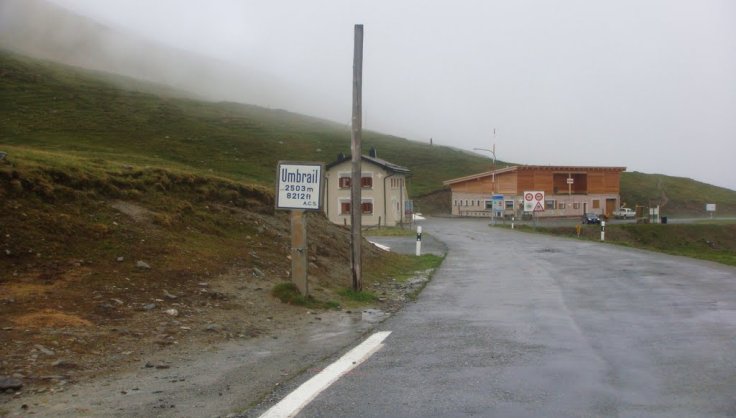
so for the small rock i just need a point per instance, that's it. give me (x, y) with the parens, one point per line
(64, 364)
(169, 295)
(119, 259)
(172, 312)
(257, 272)
(203, 284)
(213, 327)
(152, 306)
(10, 383)
(142, 265)
(45, 350)
(118, 301)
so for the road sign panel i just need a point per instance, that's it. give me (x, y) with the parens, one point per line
(533, 200)
(299, 185)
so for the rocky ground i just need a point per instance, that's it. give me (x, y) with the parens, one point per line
(51, 346)
(66, 363)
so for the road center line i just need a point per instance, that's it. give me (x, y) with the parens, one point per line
(304, 394)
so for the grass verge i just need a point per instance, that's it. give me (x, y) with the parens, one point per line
(288, 293)
(713, 242)
(389, 232)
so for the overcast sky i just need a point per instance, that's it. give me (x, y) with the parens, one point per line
(650, 85)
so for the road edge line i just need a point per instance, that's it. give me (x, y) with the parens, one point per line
(293, 403)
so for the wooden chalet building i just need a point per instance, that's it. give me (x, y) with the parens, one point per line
(569, 190)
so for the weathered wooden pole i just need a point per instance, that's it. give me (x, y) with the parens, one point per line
(355, 196)
(299, 250)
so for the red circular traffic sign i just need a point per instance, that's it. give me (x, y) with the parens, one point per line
(539, 196)
(528, 197)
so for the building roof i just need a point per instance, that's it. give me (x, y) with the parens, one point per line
(375, 160)
(563, 168)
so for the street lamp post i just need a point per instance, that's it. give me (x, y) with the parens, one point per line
(493, 177)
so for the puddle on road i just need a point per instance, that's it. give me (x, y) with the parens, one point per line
(373, 316)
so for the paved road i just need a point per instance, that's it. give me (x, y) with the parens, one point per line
(523, 325)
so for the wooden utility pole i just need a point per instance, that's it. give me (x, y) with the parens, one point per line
(299, 250)
(355, 197)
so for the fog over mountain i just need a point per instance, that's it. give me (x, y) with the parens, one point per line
(44, 30)
(646, 85)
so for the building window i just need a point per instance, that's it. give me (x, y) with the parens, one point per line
(455, 202)
(549, 204)
(596, 204)
(366, 182)
(344, 182)
(466, 202)
(509, 204)
(367, 207)
(576, 205)
(560, 206)
(344, 207)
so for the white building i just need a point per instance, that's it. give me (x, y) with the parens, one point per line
(383, 191)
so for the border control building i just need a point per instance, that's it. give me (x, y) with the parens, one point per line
(569, 190)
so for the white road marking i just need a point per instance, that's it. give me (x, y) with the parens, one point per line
(304, 394)
(381, 246)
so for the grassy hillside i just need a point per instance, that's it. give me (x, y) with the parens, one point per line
(130, 222)
(675, 195)
(60, 109)
(85, 114)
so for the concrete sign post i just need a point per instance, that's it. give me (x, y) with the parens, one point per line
(299, 188)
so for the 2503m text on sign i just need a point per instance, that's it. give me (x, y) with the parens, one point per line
(299, 185)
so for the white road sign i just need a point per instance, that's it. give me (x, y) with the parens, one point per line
(534, 201)
(710, 207)
(299, 185)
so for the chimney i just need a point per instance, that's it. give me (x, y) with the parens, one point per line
(373, 152)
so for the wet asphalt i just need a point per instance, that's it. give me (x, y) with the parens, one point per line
(408, 245)
(524, 325)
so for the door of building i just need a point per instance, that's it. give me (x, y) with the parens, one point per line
(610, 206)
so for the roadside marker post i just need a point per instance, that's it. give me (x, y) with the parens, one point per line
(419, 241)
(603, 230)
(299, 188)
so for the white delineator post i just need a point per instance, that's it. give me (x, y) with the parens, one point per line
(603, 230)
(419, 241)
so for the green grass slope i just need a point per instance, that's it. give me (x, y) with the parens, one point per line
(675, 195)
(86, 116)
(59, 109)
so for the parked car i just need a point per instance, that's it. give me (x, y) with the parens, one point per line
(591, 218)
(624, 213)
